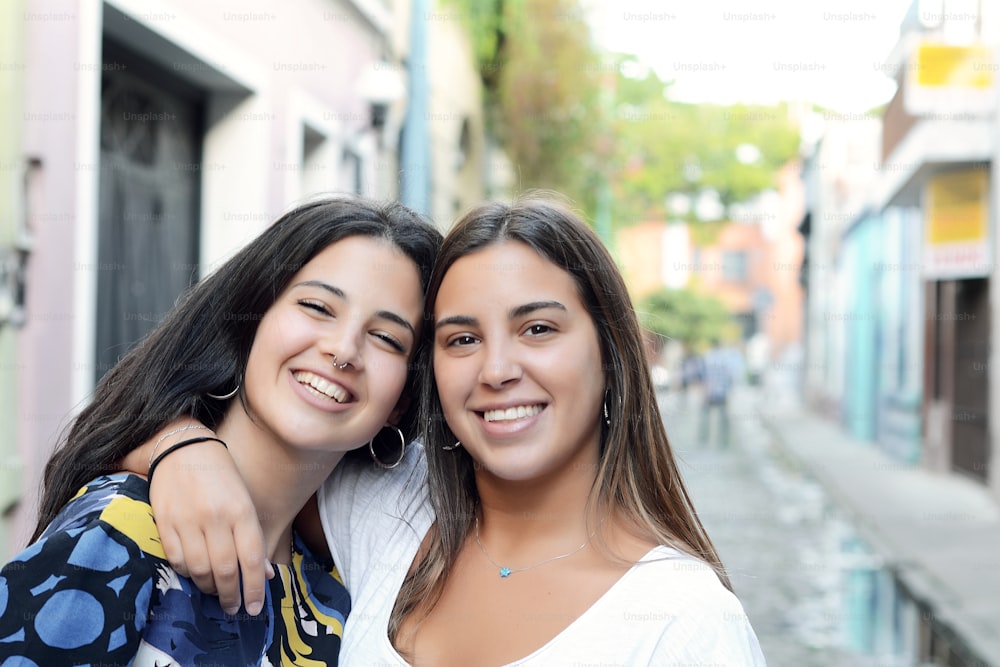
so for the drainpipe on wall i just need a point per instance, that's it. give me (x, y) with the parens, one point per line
(415, 155)
(14, 247)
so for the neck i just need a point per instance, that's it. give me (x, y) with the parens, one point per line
(536, 516)
(279, 478)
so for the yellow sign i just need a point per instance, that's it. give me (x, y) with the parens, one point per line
(956, 207)
(950, 82)
(946, 65)
(956, 225)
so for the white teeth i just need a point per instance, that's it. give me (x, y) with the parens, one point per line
(322, 386)
(519, 412)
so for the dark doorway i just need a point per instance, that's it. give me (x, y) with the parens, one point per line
(970, 445)
(150, 177)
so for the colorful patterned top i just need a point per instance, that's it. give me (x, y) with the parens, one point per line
(96, 588)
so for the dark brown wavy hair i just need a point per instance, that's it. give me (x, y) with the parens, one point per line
(202, 346)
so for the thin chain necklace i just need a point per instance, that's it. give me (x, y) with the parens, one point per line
(506, 571)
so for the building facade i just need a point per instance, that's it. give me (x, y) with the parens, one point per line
(152, 140)
(901, 229)
(937, 157)
(750, 263)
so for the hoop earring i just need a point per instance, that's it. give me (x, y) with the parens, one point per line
(225, 397)
(402, 450)
(607, 419)
(458, 444)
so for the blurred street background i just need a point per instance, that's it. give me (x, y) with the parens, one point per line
(801, 195)
(801, 558)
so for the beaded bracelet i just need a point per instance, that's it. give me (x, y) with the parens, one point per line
(176, 446)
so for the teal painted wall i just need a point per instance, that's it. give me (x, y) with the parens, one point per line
(861, 321)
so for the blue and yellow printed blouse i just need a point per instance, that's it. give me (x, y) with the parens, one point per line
(97, 589)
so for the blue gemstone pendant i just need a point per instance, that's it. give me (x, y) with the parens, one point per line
(504, 572)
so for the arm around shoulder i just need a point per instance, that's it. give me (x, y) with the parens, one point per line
(207, 521)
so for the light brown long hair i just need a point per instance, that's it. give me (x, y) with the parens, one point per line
(637, 478)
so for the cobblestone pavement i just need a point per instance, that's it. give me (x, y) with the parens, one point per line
(775, 532)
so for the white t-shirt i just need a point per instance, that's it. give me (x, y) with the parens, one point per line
(669, 610)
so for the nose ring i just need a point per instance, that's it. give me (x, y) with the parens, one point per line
(340, 366)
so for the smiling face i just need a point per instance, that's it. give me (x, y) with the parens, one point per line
(359, 300)
(518, 364)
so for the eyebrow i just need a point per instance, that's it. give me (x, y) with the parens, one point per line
(528, 308)
(336, 291)
(393, 317)
(516, 312)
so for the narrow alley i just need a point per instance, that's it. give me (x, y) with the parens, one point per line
(788, 552)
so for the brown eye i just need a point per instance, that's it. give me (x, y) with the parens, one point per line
(464, 339)
(538, 329)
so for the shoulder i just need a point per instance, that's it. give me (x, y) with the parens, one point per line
(700, 616)
(118, 503)
(696, 594)
(688, 577)
(358, 482)
(107, 526)
(91, 566)
(668, 609)
(372, 514)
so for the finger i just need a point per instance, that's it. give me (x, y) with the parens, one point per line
(199, 563)
(253, 564)
(171, 543)
(225, 568)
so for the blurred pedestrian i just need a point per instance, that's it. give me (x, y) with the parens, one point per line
(692, 374)
(720, 372)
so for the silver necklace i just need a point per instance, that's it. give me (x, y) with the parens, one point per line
(506, 571)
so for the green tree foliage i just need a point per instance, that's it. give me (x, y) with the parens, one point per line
(484, 20)
(549, 96)
(544, 88)
(665, 147)
(573, 119)
(685, 315)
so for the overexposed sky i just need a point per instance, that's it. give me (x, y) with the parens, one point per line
(829, 52)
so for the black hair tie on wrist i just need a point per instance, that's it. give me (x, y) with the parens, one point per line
(174, 447)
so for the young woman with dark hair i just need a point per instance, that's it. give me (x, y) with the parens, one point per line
(296, 350)
(554, 528)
